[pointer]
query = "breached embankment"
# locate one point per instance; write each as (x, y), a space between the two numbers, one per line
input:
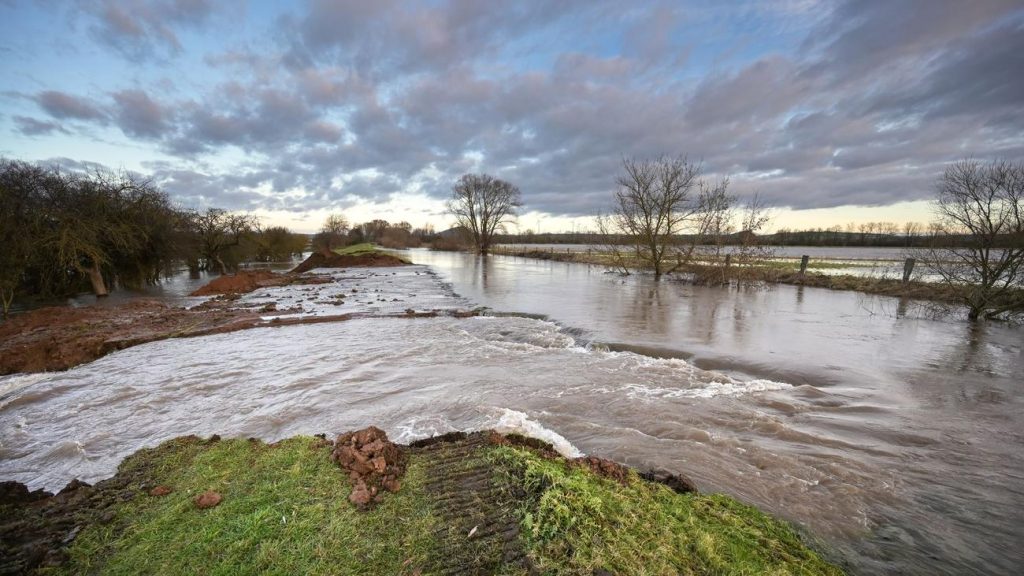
(481, 502)
(61, 337)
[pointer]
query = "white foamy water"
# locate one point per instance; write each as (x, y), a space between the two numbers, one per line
(413, 377)
(364, 291)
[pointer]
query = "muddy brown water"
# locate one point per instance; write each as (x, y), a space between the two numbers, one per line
(894, 438)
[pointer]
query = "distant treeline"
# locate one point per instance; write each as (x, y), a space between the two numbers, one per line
(65, 232)
(817, 237)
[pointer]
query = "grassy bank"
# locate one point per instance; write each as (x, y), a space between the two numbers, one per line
(367, 249)
(473, 504)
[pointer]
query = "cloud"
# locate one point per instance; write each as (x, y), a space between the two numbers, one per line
(145, 28)
(33, 127)
(855, 103)
(138, 115)
(68, 107)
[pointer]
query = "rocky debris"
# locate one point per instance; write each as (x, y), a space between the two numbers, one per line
(161, 491)
(332, 260)
(207, 499)
(679, 483)
(373, 463)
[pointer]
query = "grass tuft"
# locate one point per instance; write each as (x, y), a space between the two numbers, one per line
(576, 522)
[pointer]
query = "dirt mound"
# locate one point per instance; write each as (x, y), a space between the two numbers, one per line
(243, 281)
(373, 462)
(367, 259)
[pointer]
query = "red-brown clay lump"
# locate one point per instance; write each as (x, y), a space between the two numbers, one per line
(373, 463)
(161, 491)
(207, 499)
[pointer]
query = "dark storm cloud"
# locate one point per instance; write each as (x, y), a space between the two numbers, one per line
(365, 99)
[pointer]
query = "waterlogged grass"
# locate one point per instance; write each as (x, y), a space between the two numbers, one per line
(367, 248)
(285, 511)
(578, 523)
(357, 249)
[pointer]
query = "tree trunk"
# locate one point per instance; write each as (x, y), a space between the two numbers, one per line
(7, 297)
(99, 287)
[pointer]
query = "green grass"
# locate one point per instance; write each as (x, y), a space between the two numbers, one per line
(285, 511)
(367, 248)
(576, 523)
(357, 249)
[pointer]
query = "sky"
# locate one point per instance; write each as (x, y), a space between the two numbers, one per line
(831, 111)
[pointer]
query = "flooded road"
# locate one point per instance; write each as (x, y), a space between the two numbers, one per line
(895, 439)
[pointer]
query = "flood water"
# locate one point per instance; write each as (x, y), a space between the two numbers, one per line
(896, 439)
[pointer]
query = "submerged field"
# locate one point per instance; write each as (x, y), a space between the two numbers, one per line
(476, 504)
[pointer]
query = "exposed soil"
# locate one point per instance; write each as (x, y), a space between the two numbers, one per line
(373, 463)
(58, 338)
(248, 280)
(36, 528)
(478, 533)
(371, 259)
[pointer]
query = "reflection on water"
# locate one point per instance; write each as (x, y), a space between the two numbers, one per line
(896, 439)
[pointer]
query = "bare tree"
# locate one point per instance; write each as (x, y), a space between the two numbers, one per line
(982, 205)
(217, 231)
(911, 230)
(482, 205)
(653, 206)
(332, 232)
(755, 216)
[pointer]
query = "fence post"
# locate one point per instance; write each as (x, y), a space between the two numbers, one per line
(803, 264)
(908, 269)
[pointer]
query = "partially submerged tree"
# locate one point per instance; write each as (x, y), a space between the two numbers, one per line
(654, 205)
(983, 205)
(216, 232)
(483, 204)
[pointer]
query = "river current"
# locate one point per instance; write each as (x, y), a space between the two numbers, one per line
(894, 437)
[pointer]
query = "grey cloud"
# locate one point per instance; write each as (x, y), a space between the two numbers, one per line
(138, 115)
(384, 96)
(145, 28)
(33, 127)
(65, 106)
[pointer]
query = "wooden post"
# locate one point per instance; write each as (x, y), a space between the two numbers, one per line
(908, 269)
(803, 263)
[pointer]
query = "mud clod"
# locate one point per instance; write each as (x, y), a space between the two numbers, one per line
(207, 499)
(373, 462)
(161, 491)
